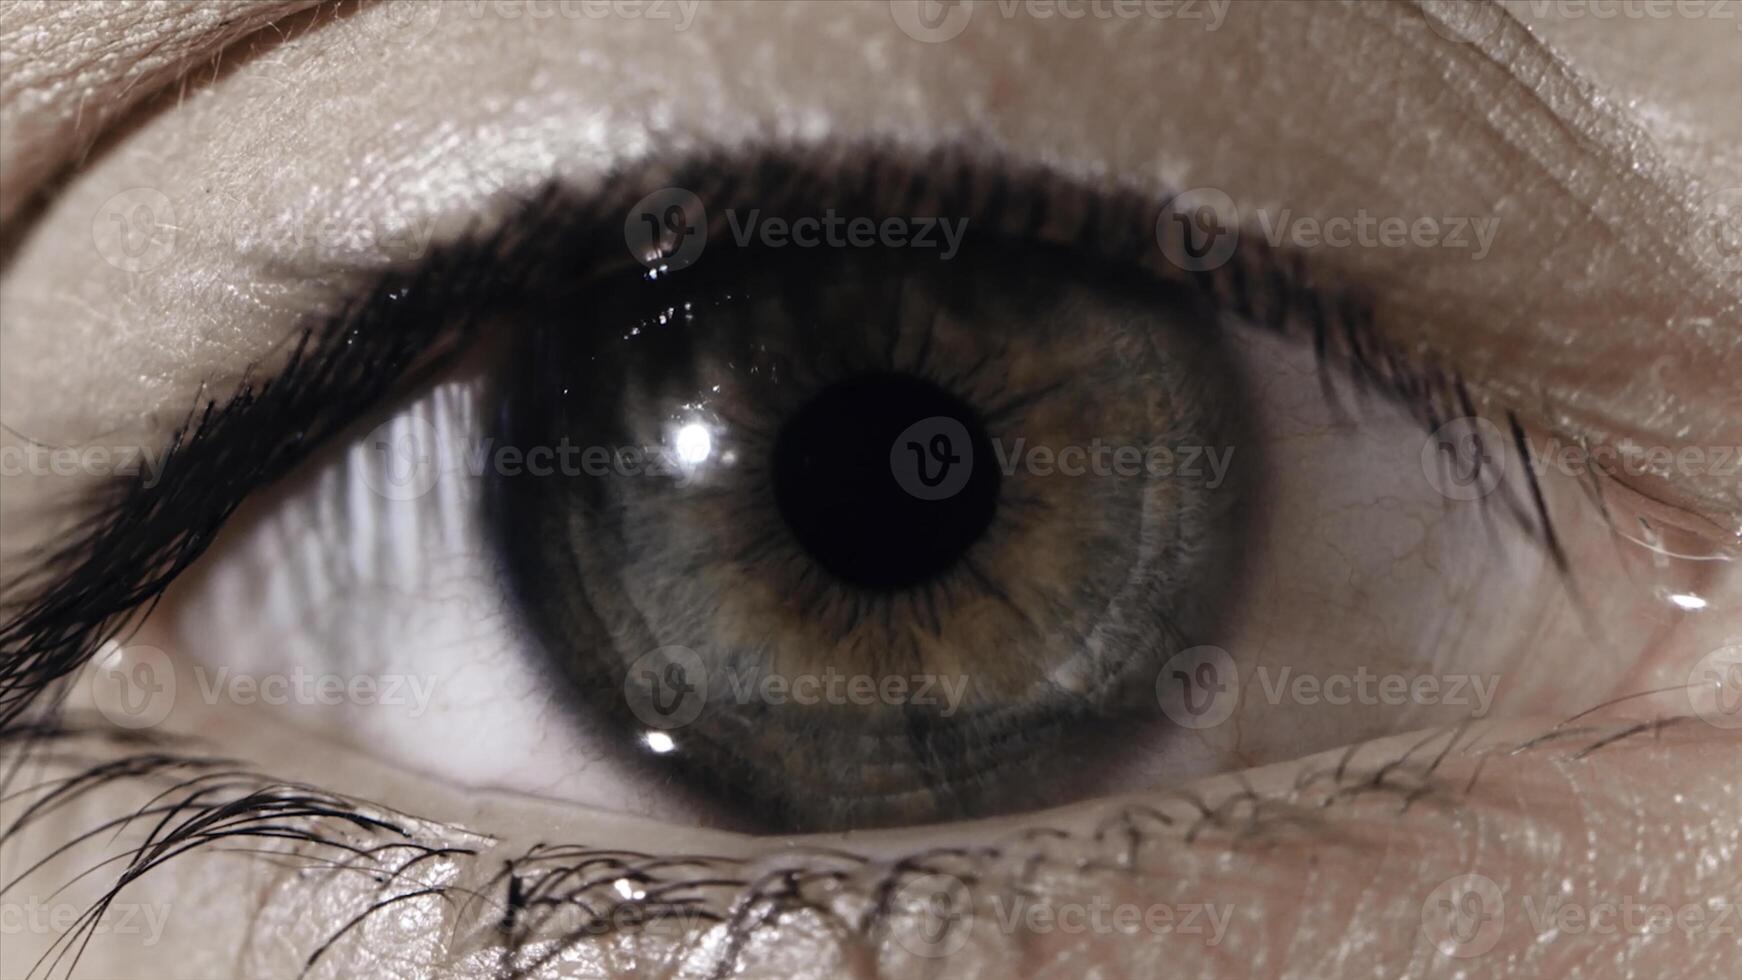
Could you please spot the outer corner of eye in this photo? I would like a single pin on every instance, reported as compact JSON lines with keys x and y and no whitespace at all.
{"x":661,"y":525}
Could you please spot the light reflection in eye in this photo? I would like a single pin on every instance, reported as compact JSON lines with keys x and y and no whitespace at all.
{"x":694,"y":444}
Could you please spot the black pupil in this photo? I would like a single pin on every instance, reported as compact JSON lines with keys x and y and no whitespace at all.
{"x":870,"y":477}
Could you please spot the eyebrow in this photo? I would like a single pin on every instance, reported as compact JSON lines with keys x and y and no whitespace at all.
{"x":75,"y":70}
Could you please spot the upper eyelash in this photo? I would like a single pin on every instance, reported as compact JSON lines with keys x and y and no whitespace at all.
{"x":346,"y":361}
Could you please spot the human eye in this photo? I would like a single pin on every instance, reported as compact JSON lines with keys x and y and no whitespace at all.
{"x":689,"y":539}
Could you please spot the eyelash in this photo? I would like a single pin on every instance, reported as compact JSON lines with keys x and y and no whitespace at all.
{"x":358,"y":355}
{"x":408,"y":319}
{"x":404,"y":324}
{"x":217,"y":802}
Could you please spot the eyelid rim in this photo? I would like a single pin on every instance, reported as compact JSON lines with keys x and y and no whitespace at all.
{"x":352,"y":354}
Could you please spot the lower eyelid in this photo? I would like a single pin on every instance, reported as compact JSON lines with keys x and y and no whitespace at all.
{"x":344,"y":571}
{"x":1262,"y":851}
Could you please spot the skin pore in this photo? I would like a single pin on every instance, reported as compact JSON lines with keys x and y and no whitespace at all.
{"x":1597,"y":143}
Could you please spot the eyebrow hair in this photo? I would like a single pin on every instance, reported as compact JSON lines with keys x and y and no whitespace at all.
{"x":75,"y":70}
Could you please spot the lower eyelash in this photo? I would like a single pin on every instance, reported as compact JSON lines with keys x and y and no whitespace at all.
{"x":548,"y":899}
{"x":204,"y":804}
{"x":350,"y":360}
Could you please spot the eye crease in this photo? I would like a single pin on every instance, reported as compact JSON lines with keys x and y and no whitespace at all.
{"x":1032,"y":646}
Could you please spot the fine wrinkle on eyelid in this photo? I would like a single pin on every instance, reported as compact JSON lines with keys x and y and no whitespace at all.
{"x":73,"y":71}
{"x":882,"y":21}
{"x":1291,"y":818}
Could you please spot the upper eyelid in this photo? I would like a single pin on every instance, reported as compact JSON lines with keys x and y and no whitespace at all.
{"x":1485,"y":348}
{"x":546,"y":233}
{"x":80,"y":97}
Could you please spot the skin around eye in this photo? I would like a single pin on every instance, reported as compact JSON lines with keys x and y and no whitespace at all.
{"x":1330,"y":580}
{"x":1600,"y":141}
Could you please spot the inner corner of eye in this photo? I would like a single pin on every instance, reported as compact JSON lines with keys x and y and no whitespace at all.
{"x":830,"y":539}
